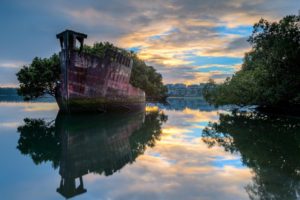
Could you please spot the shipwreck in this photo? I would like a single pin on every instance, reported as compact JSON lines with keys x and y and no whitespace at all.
{"x":89,"y":83}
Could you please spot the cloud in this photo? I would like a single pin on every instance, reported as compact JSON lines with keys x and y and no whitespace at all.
{"x":8,"y":70}
{"x":8,"y":76}
{"x":184,"y":75}
{"x":166,"y":32}
{"x":234,"y":48}
{"x":12,"y":64}
{"x":9,"y":124}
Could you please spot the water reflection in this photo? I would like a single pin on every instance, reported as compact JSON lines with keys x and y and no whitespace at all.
{"x":269,"y":145}
{"x":78,"y":145}
{"x":181,"y":103}
{"x":251,"y":156}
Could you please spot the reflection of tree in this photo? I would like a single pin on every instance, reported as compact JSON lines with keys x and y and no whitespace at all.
{"x":85,"y":144}
{"x":149,"y":132}
{"x":268,"y":145}
{"x":39,"y":140}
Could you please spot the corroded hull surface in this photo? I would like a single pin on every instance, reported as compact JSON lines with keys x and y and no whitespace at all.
{"x":93,"y":84}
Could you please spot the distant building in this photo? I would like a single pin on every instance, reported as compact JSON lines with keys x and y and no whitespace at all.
{"x":182,"y":90}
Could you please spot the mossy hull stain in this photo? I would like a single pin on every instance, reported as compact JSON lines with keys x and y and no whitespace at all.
{"x":90,"y":83}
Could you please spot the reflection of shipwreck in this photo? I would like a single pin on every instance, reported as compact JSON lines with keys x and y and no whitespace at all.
{"x":95,"y":145}
{"x":83,"y":144}
{"x":91,"y":83}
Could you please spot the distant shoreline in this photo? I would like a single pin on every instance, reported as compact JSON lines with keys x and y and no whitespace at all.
{"x":11,"y":95}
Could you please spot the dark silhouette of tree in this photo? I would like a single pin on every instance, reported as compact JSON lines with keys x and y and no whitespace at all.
{"x":269,"y":145}
{"x":270,"y":74}
{"x":39,"y":140}
{"x":148,"y":134}
{"x":39,"y":78}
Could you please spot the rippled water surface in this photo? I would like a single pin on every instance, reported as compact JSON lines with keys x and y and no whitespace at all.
{"x":183,"y":150}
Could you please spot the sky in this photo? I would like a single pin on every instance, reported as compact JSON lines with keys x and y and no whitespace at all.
{"x":187,"y":41}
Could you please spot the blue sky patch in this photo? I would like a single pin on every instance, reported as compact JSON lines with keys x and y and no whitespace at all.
{"x":135,"y":49}
{"x":217,"y":68}
{"x":220,"y":163}
{"x":207,"y":60}
{"x":240,"y":30}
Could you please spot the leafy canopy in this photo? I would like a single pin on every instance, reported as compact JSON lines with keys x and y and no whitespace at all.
{"x":270,"y":73}
{"x":39,"y":78}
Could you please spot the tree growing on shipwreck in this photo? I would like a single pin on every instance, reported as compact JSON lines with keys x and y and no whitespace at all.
{"x":43,"y":74}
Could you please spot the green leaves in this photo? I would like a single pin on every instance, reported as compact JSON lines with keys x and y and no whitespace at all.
{"x":39,"y":77}
{"x":270,"y":74}
{"x":146,"y":78}
{"x":39,"y":139}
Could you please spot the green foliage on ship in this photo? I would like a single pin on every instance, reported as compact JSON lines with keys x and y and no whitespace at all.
{"x":142,"y":76}
{"x":42,"y":75}
{"x":270,"y":73}
{"x":148,"y":79}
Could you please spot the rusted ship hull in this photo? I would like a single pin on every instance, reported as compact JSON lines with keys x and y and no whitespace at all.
{"x":94,"y":84}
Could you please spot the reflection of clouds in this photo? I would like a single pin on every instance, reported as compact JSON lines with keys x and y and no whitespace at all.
{"x":200,"y":116}
{"x":31,"y":188}
{"x":188,"y":120}
{"x":13,"y":113}
{"x":17,"y":171}
{"x":180,"y":166}
{"x":40,"y":107}
{"x":162,"y":178}
{"x":179,"y":146}
{"x":30,"y":106}
{"x":9,"y":124}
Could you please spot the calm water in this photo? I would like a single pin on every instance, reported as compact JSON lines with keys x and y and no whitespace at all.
{"x":184,"y":150}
